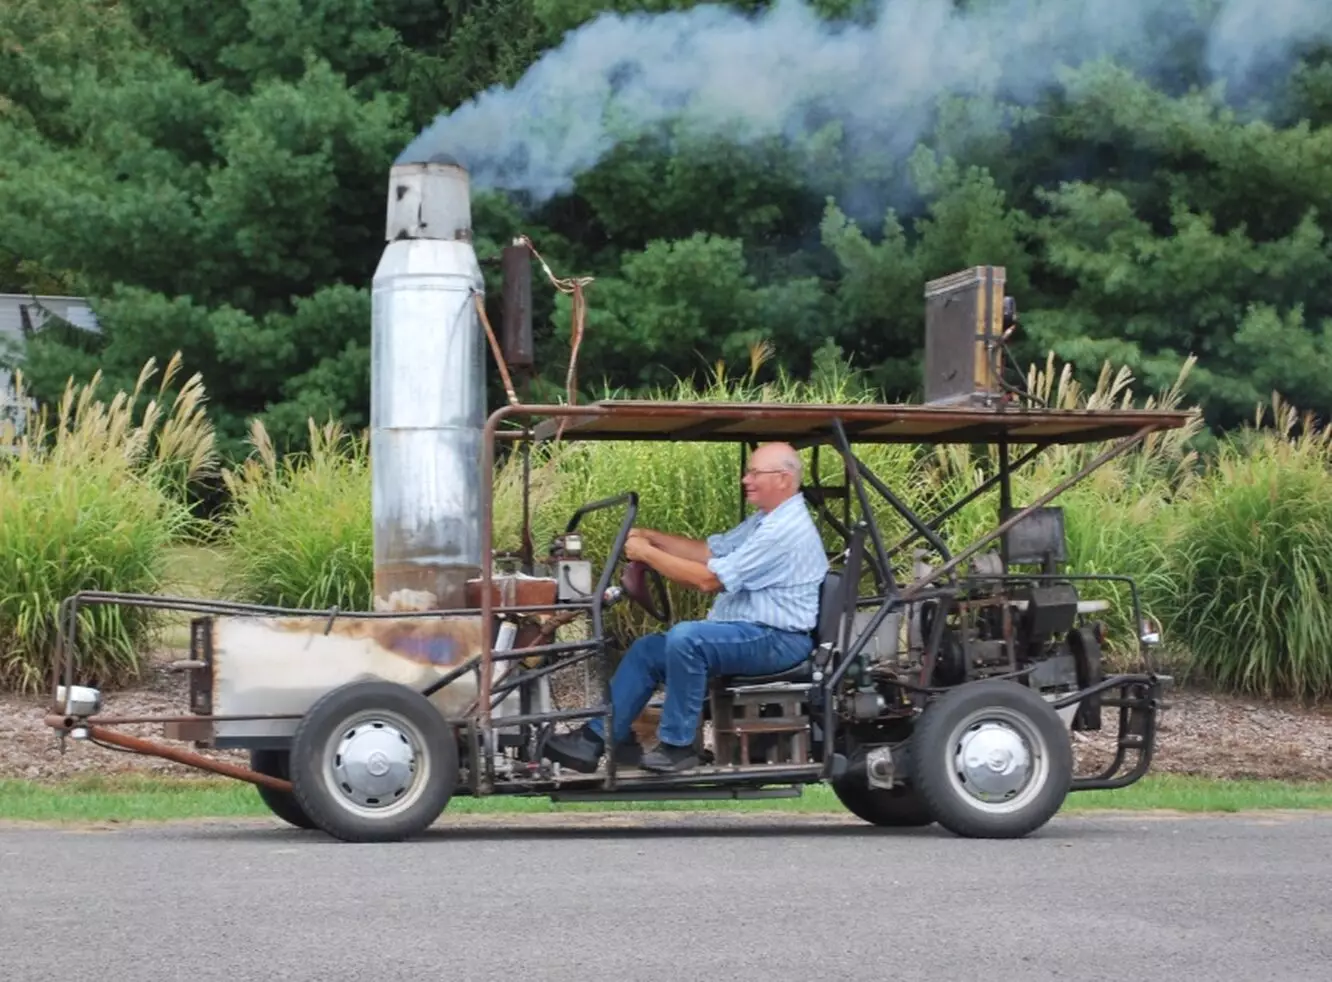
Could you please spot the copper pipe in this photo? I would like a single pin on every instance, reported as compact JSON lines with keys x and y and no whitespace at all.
{"x":123,"y":720}
{"x":488,"y":432}
{"x":137,"y":745}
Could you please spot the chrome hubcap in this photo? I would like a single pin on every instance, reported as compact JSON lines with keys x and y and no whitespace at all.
{"x":1000,"y":761}
{"x":375,"y":764}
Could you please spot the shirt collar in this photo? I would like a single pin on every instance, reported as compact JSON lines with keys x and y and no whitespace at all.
{"x":797,"y":498}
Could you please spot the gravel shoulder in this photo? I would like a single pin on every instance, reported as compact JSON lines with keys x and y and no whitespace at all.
{"x":1202,"y":734}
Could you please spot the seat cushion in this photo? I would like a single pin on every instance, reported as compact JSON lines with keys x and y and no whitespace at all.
{"x":804,"y":672}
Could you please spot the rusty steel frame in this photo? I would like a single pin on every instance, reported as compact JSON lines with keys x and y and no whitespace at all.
{"x":98,"y":726}
{"x":481,"y":719}
{"x":1150,"y":422}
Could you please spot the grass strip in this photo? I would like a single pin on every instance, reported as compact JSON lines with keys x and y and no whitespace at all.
{"x":134,"y":798}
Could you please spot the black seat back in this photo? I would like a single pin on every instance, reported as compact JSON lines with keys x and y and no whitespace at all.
{"x":831,"y":601}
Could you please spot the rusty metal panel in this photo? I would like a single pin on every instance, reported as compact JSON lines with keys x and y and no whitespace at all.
{"x":963,"y":316}
{"x":514,"y":590}
{"x":281,"y":665}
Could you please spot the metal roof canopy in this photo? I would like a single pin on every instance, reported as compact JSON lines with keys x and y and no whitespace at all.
{"x":718,"y":422}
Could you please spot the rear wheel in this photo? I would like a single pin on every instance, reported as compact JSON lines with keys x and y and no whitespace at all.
{"x":991,"y":760}
{"x":373,"y":762}
{"x":283,"y":804}
{"x":896,"y":807}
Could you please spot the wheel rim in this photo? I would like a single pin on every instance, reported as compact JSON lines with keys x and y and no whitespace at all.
{"x":999,"y":762}
{"x":374,"y":764}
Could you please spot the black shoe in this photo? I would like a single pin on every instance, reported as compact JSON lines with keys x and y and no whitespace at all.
{"x":580,"y":750}
{"x":667,"y":757}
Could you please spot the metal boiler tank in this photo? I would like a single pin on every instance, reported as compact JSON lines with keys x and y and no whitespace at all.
{"x":427,"y":405}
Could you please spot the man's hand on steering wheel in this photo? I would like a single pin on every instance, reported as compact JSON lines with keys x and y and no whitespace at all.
{"x":636,"y":547}
{"x":642,"y":535}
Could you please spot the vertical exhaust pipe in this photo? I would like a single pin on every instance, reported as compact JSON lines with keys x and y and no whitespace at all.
{"x":427,"y":393}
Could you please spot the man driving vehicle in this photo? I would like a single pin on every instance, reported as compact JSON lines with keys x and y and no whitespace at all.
{"x":766,"y":572}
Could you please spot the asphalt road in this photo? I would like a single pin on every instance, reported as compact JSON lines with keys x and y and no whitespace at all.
{"x":678,"y":897}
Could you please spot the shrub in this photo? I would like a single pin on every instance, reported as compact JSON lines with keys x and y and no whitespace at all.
{"x":301,"y":534}
{"x":300,"y":528}
{"x":92,"y":502}
{"x":1249,"y":554}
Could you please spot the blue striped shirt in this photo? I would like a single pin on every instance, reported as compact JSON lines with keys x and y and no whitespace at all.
{"x":771,"y":567}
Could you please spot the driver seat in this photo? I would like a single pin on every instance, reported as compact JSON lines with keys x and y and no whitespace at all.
{"x":826,"y":635}
{"x":769,"y":707}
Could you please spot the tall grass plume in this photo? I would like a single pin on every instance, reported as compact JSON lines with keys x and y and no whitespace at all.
{"x":1249,"y":552}
{"x":91,"y":500}
{"x":300,"y":532}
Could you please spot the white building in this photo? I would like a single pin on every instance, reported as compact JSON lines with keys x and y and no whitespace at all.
{"x":21,"y":316}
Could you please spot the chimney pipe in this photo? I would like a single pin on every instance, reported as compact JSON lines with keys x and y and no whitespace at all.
{"x":427,"y":393}
{"x":516,"y":326}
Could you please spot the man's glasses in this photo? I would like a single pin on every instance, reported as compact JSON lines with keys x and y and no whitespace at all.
{"x":751,"y":472}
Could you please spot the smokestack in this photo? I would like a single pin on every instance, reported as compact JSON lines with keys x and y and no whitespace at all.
{"x":516,"y":327}
{"x":427,"y":392}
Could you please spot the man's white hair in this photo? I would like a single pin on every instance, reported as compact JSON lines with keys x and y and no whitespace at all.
{"x":788,"y":460}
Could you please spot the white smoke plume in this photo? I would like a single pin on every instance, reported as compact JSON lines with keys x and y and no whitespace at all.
{"x":785,"y":71}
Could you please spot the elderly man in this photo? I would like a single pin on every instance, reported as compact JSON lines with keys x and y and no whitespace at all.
{"x":767,"y":571}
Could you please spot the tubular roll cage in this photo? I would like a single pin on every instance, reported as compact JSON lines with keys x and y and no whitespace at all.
{"x":1139,"y":692}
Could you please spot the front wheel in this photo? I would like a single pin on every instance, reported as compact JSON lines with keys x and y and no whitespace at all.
{"x":991,"y":759}
{"x":373,"y":762}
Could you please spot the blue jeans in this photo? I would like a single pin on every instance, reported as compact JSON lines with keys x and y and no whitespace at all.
{"x":683,"y":658}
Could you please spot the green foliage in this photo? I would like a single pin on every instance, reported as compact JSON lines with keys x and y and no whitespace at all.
{"x":222,"y":219}
{"x":92,"y":501}
{"x":1248,"y":557}
{"x":1228,"y":556}
{"x":300,"y":526}
{"x":221,"y":193}
{"x":681,"y":305}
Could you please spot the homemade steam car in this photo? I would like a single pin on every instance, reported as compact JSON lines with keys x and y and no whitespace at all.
{"x":943,"y":685}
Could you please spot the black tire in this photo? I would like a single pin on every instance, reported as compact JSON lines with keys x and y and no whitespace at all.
{"x":283,"y":804}
{"x":1017,"y":718}
{"x":898,"y":808}
{"x":390,"y":726}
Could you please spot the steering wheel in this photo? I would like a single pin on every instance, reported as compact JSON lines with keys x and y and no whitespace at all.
{"x":634,"y":580}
